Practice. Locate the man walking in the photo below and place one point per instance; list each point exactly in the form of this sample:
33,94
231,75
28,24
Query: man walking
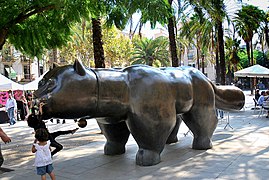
11,107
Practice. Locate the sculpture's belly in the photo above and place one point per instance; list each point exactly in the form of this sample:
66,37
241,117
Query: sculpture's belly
110,120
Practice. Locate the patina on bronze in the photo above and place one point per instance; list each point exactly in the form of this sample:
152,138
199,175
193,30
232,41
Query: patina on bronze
145,101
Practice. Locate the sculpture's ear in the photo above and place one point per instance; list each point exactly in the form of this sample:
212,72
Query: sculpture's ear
78,67
54,65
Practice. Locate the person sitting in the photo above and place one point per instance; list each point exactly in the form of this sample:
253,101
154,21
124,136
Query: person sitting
265,103
261,85
261,98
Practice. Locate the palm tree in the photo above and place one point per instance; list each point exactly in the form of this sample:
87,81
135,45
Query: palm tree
216,12
266,29
151,52
99,57
198,30
172,38
232,58
80,46
247,21
183,44
263,34
190,30
116,13
163,14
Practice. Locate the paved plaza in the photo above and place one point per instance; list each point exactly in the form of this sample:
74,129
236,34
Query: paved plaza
240,151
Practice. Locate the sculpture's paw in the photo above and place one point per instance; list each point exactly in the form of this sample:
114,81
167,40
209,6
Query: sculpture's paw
202,143
147,157
112,148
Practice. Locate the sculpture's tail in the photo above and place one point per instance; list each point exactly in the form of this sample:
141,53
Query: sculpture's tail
228,98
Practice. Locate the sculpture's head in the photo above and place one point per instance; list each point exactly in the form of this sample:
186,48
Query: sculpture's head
67,92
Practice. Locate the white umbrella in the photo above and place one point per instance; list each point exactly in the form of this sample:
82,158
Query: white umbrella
7,84
253,71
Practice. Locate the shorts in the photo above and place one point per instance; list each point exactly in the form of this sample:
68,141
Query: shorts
44,169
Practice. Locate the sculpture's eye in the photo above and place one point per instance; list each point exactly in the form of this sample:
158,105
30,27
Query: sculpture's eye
51,83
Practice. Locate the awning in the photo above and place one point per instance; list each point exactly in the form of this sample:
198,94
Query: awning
11,73
7,84
253,71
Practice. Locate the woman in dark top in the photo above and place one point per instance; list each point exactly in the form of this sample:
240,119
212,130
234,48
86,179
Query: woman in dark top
36,123
257,94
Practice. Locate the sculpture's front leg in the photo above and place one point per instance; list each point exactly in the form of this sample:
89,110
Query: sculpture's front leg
117,136
151,131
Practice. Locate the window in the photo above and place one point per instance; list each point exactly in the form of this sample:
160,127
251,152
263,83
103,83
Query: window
190,56
41,70
26,71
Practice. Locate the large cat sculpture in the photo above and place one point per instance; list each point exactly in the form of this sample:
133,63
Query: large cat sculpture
145,101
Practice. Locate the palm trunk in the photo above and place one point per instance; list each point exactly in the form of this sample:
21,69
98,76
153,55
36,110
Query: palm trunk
203,64
172,39
30,77
38,68
217,57
217,65
131,27
251,53
3,37
248,53
198,57
140,29
83,27
221,53
249,63
172,43
99,58
266,31
180,52
54,57
253,82
150,63
263,54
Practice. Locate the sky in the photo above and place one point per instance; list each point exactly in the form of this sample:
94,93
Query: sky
262,4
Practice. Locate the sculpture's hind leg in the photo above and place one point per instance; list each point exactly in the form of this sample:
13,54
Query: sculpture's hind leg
173,136
150,132
202,121
117,136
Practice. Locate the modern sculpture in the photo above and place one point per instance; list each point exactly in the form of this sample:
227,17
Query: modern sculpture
145,101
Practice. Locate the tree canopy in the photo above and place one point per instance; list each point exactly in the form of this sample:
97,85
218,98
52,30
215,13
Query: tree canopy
32,26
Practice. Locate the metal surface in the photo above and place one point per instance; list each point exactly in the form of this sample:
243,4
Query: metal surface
147,102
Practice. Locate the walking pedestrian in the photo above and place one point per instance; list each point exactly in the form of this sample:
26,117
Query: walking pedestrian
24,109
42,150
11,108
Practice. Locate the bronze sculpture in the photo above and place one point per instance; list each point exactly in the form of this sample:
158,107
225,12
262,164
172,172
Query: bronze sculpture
144,101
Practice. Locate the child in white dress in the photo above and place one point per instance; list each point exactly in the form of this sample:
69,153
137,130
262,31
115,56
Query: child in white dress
42,150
